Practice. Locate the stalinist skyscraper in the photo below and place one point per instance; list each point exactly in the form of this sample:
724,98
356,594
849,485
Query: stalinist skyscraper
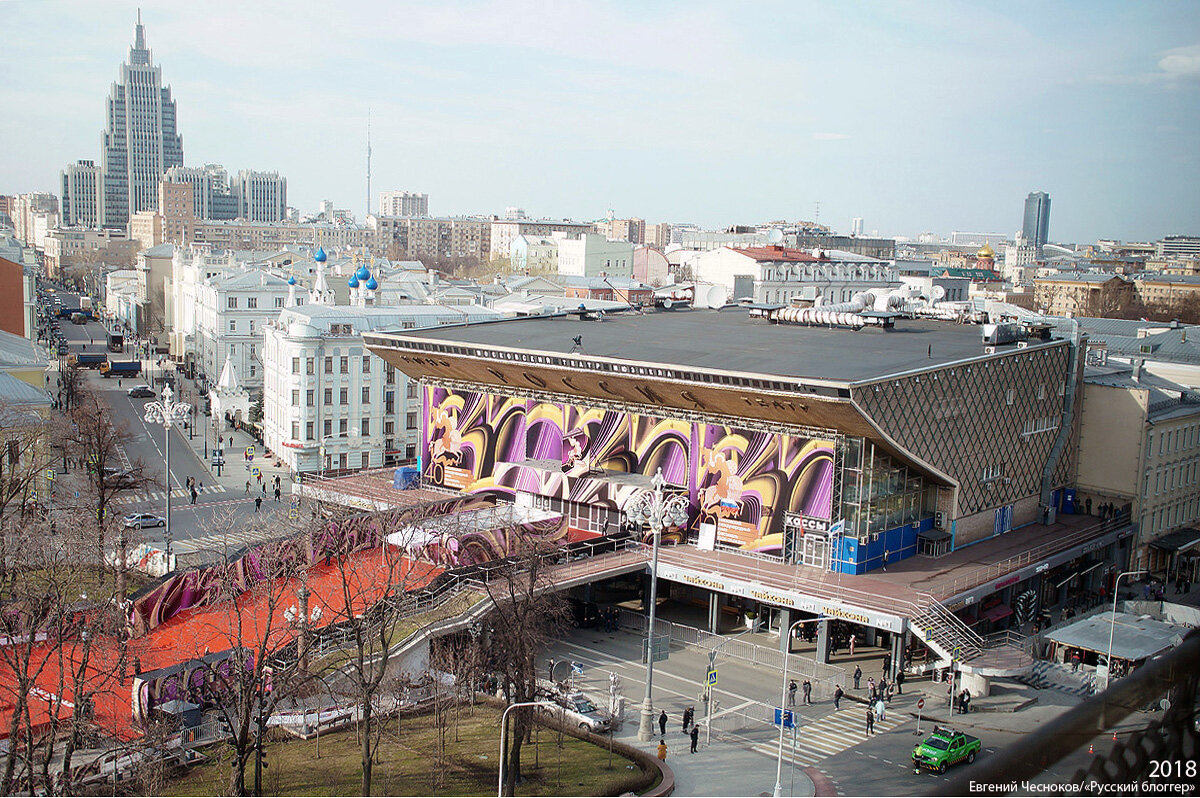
140,138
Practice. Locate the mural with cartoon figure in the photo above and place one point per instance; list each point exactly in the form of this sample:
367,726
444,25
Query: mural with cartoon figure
742,482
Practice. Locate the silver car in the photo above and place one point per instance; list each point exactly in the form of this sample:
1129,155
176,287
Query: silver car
143,520
577,709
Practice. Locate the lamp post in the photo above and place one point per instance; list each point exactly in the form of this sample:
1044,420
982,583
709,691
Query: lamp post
1113,627
301,619
503,728
652,508
167,413
787,650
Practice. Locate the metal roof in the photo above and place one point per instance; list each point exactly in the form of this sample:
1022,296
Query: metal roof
1134,637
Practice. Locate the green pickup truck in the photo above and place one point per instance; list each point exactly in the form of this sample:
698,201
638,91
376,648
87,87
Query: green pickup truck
943,748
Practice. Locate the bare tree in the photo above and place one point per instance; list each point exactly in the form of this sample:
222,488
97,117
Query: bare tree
25,456
528,615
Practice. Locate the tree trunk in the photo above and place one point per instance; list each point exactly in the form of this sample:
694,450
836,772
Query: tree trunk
513,770
366,747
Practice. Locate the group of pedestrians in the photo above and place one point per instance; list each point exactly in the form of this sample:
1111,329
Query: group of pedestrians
689,728
807,691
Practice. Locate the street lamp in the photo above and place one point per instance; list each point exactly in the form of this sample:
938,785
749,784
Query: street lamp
787,650
167,413
1113,627
653,509
503,728
301,619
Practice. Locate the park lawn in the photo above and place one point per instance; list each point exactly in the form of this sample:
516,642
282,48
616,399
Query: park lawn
407,763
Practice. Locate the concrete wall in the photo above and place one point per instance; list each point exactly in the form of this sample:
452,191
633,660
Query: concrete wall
1111,437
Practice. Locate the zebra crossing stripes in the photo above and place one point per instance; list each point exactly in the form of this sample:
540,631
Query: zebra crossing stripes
831,734
177,493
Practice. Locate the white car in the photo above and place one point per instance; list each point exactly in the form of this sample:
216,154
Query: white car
143,520
577,709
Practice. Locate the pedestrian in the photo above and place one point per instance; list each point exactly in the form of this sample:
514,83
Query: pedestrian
687,715
695,737
193,495
837,697
807,686
900,683
662,722
857,677
551,666
264,489
964,701
871,688
257,503
662,750
853,640
276,494
1075,659
247,487
880,710
887,664
792,693
870,721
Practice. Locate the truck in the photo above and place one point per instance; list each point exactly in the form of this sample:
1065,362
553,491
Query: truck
943,748
85,303
116,342
87,361
121,368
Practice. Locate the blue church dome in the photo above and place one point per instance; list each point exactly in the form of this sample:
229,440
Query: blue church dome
372,284
292,280
353,281
363,273
320,255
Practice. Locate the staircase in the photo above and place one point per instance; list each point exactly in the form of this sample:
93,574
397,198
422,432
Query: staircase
954,641
1052,675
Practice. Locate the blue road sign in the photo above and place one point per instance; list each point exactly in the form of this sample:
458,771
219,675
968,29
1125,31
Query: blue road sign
712,677
788,718
576,667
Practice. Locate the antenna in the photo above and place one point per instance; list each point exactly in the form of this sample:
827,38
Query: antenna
817,211
368,162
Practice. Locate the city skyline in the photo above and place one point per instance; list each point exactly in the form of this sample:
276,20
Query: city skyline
933,117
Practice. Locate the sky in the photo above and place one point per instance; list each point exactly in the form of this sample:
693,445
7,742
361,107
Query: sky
933,116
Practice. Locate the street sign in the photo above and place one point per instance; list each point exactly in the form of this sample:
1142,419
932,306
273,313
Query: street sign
293,515
50,474
712,677
255,471
577,667
921,703
249,451
662,648
789,720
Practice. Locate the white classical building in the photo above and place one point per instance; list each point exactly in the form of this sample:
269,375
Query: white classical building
590,255
328,403
782,275
231,312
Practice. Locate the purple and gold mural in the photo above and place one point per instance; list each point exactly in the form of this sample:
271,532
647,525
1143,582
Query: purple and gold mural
740,481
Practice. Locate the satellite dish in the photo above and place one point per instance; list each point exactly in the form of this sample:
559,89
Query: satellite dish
775,236
938,291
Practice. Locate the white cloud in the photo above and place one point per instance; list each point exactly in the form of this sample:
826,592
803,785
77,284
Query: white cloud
1181,62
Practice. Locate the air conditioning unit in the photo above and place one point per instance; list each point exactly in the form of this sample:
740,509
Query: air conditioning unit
916,524
939,520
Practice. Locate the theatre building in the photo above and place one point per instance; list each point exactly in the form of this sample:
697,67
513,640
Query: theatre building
878,446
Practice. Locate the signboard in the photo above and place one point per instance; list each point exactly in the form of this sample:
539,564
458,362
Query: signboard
577,667
738,533
293,515
662,648
459,478
712,678
920,703
255,471
50,474
249,451
788,719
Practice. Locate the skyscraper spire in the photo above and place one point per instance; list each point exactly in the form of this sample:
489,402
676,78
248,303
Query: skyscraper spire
139,53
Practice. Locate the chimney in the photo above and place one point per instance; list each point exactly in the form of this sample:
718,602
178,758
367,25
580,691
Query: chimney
1137,370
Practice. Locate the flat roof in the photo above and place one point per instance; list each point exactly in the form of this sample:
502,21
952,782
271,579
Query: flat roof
729,340
1134,637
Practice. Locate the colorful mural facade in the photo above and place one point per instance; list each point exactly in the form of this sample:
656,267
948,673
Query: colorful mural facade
744,483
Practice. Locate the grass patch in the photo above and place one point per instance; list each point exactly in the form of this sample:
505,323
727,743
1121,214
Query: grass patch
408,762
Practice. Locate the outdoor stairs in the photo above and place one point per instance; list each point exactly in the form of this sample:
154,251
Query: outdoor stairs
1046,675
954,641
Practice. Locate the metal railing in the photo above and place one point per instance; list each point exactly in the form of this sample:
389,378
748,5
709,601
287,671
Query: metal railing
947,588
1174,677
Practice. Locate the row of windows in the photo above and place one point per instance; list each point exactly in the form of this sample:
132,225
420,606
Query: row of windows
1168,518
343,396
343,364
389,428
1175,440
1173,477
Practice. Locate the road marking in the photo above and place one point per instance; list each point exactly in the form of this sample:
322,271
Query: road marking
831,735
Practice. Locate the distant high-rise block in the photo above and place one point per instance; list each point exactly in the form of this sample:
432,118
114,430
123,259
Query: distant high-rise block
140,141
403,203
82,196
856,226
261,196
1036,228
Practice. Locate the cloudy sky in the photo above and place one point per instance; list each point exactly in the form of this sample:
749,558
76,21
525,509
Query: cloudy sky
918,116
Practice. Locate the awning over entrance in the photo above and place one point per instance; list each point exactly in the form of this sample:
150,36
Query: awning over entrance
1179,541
1134,638
997,613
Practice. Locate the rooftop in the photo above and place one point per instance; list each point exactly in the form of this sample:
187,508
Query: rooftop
729,340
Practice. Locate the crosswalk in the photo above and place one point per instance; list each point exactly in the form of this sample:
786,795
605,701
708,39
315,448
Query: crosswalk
831,734
224,542
177,493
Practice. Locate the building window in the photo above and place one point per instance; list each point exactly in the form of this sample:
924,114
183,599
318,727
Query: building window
410,451
278,301
252,326
328,427
343,425
366,459
344,396
328,396
328,365
295,430
390,377
232,325
344,362
308,430
309,397
410,421
366,427
295,397
308,365
295,365
412,390
389,427
366,394
232,302
366,364
252,302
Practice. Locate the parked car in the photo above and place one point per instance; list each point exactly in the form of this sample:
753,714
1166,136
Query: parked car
143,520
141,392
576,709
